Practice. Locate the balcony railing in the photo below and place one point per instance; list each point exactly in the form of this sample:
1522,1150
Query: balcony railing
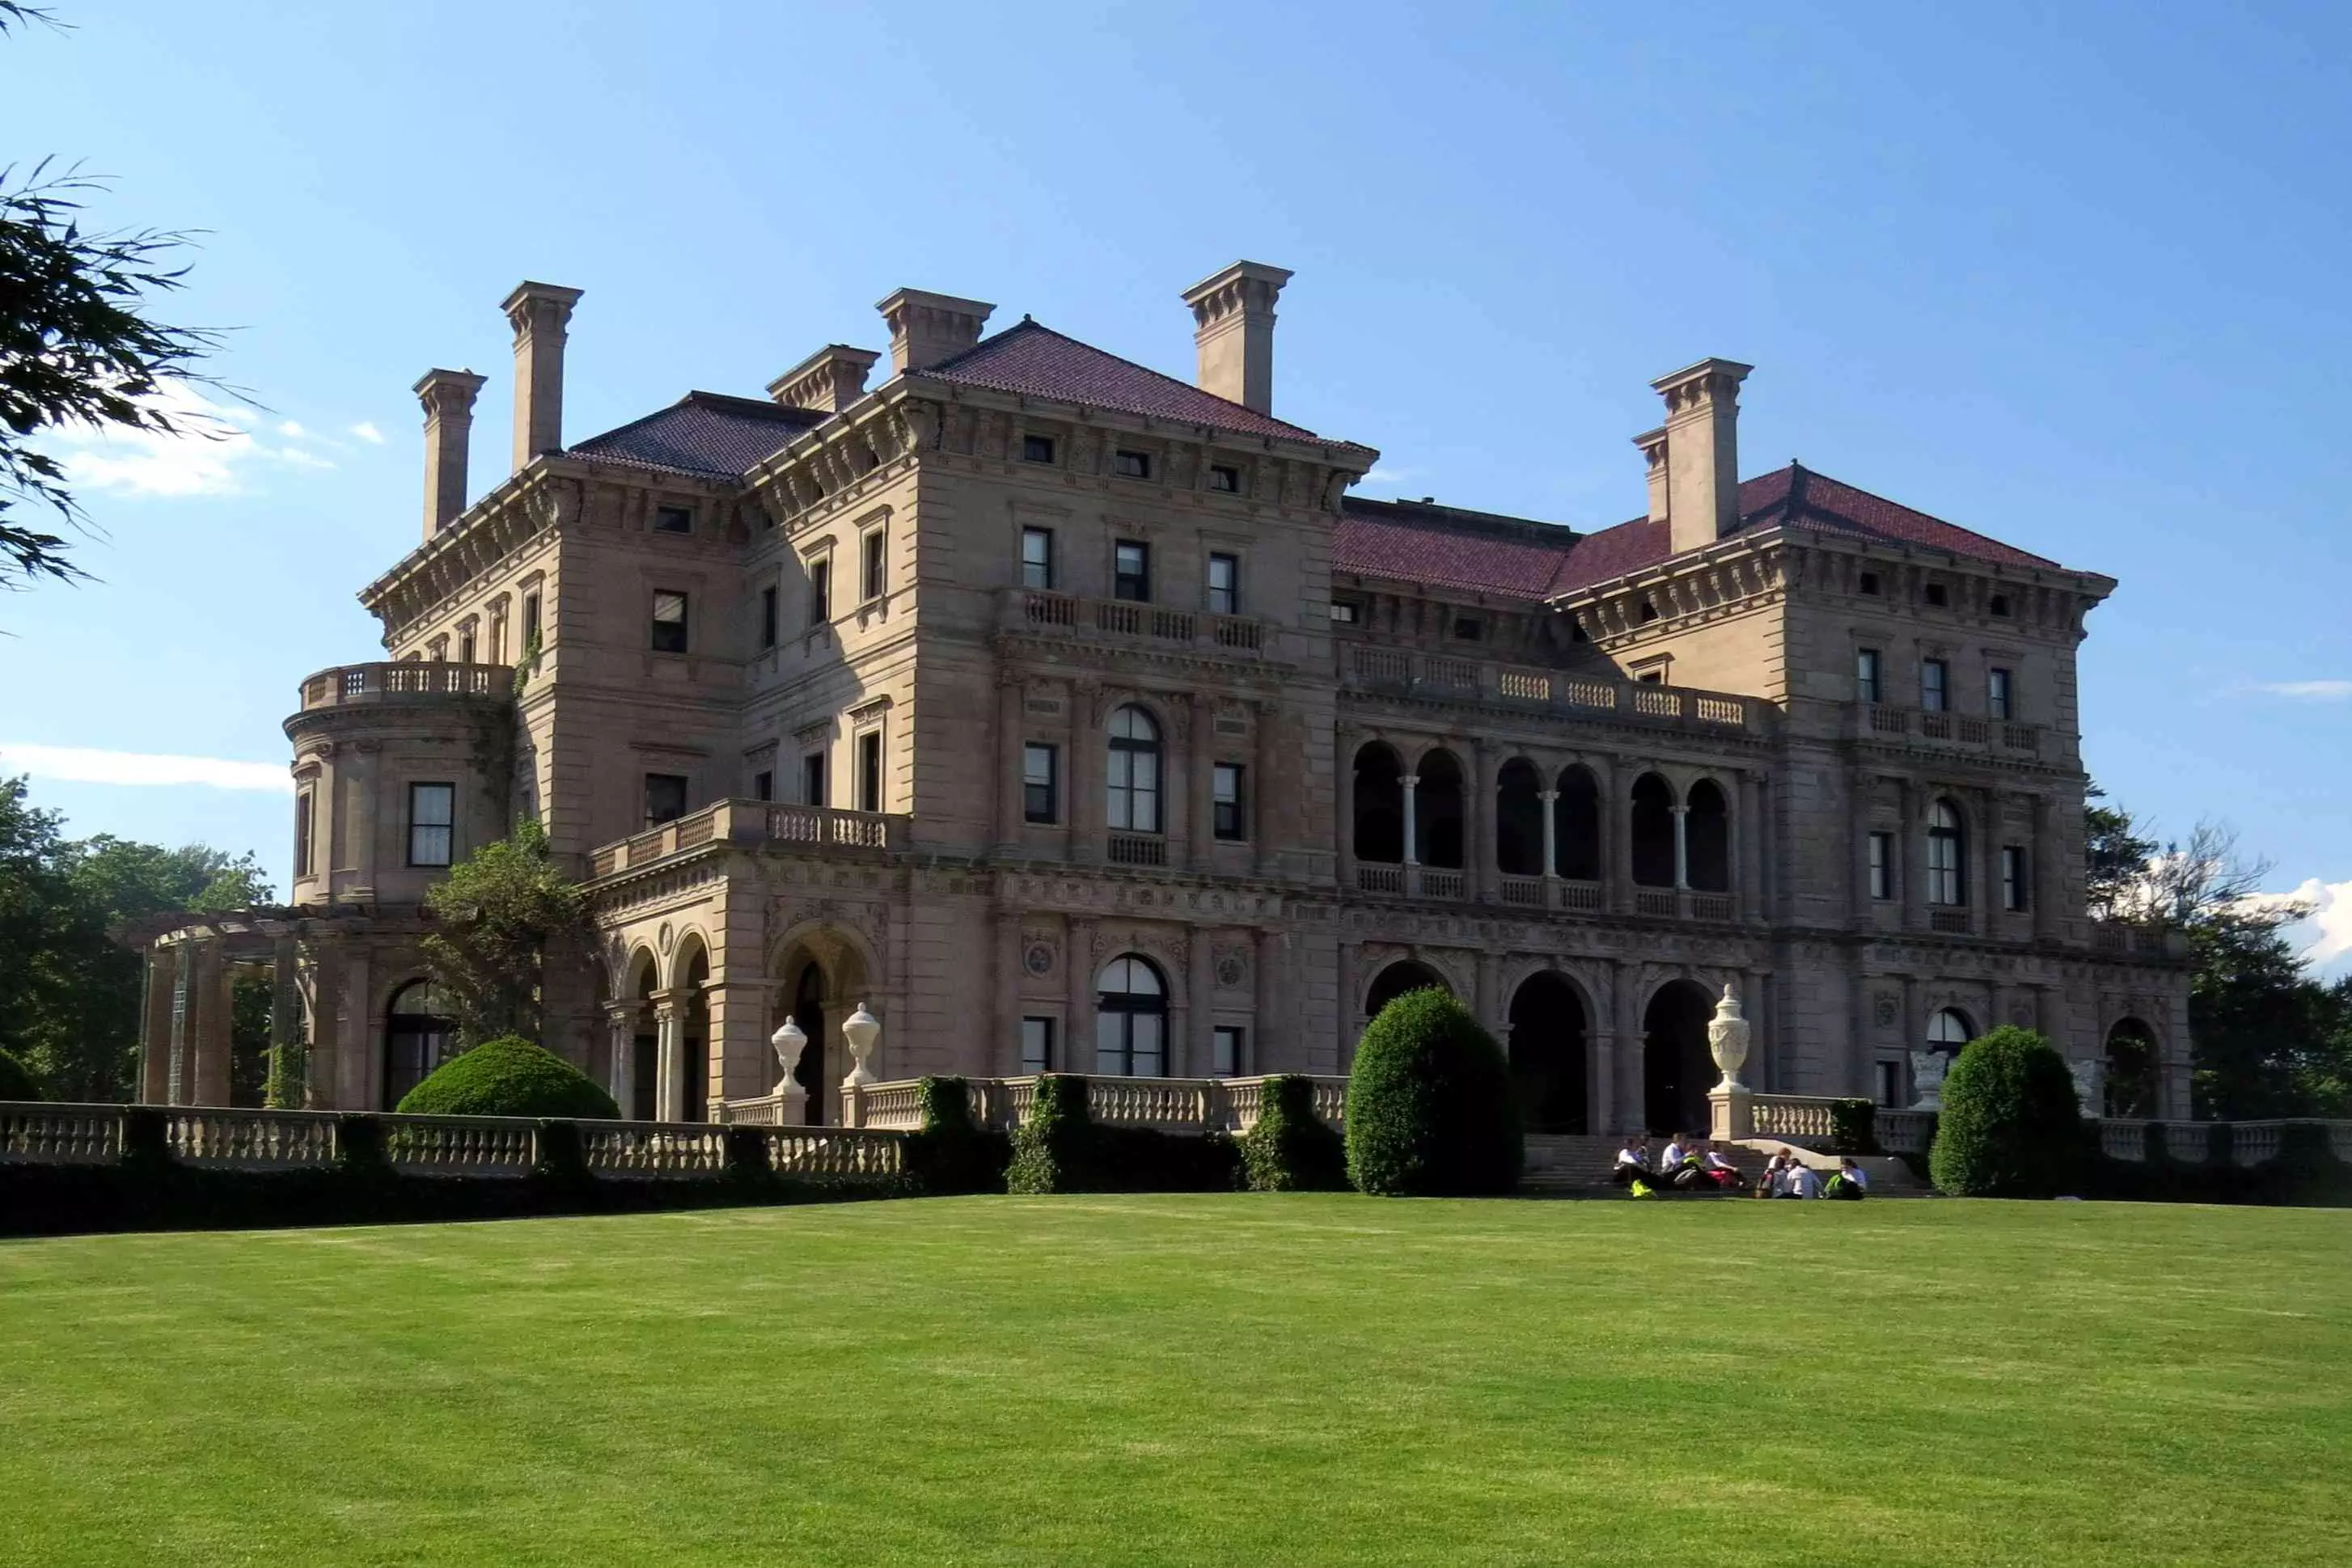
2133,938
1124,621
350,684
1371,666
1879,720
1166,1104
754,822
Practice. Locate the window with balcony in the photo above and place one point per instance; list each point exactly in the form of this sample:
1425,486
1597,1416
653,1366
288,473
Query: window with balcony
2015,890
1999,605
820,608
1225,583
1226,808
812,776
1227,1050
1934,685
1131,465
1131,1025
1134,771
432,823
1882,866
1037,558
763,785
1469,629
1867,684
673,519
466,646
1130,570
1037,1045
1036,449
1867,582
1946,885
664,798
669,623
1997,686
1224,479
869,771
874,581
1041,783
768,616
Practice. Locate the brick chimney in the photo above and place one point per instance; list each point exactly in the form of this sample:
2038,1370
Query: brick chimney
828,380
538,312
1232,328
447,397
1702,452
927,327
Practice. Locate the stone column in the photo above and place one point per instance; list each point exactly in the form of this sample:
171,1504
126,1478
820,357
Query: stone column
2040,888
1200,754
669,1079
1078,1013
1011,722
1343,804
1265,979
1199,987
208,1046
1745,836
621,1037
1489,1005
1616,839
1482,832
1549,801
1350,999
155,1026
1682,847
1631,1112
739,1055
1270,799
1411,782
1911,845
363,1042
1002,1057
179,1077
289,1061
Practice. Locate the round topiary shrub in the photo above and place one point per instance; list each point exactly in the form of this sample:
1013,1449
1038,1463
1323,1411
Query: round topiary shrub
1429,1110
17,1079
509,1076
1289,1148
2011,1126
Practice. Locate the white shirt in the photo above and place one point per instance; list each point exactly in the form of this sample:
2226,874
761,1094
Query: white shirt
1716,1162
1672,1159
1805,1181
1628,1157
1853,1173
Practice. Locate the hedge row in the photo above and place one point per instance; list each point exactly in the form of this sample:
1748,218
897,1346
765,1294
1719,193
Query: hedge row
1060,1149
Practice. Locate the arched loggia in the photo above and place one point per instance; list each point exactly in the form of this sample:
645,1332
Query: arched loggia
1547,1055
1518,818
1380,804
1677,1069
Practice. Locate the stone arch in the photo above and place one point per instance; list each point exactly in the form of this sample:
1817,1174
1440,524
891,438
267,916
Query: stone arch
1550,1047
1439,809
1576,824
683,951
1131,1017
1707,836
1378,782
1649,824
819,972
420,1032
2132,1063
1395,979
690,964
1676,1067
1518,818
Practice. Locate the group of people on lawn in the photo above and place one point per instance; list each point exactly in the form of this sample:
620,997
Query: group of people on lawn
1694,1165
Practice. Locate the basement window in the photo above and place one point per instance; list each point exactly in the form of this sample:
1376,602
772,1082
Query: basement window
1036,449
673,519
1131,465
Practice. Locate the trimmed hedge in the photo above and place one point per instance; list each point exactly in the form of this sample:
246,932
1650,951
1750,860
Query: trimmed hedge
1854,1127
1430,1108
1060,1149
17,1079
509,1076
2011,1126
1289,1148
951,1154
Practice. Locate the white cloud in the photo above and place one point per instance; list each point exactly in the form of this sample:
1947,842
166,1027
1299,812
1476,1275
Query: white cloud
2310,691
211,456
1389,476
291,431
366,431
85,765
2328,928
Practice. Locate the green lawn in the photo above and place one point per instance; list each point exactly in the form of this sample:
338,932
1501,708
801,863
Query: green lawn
1193,1380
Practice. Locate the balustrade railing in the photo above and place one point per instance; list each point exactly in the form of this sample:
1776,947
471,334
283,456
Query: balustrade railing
380,682
1127,620
1167,1104
1449,675
751,822
1948,728
1136,849
207,1135
60,1134
653,1149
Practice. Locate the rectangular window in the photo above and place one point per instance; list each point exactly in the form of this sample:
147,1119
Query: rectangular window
1040,784
1224,584
869,771
1882,866
1131,465
877,561
1934,685
820,593
1037,1045
499,642
1866,684
664,798
530,619
466,646
302,833
432,812
1037,558
1890,1083
1036,449
669,622
2015,894
1938,595
1867,583
1469,629
1224,479
768,617
1344,614
1997,691
1225,1050
1225,801
763,785
813,772
673,519
1131,571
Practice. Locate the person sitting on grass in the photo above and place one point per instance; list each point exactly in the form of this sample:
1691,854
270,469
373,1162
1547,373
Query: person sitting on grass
1670,1159
1681,1164
1803,1180
1775,1170
1632,1162
1722,1172
1847,1182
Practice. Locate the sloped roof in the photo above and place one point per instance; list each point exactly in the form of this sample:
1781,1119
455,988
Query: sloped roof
1038,362
703,432
1438,546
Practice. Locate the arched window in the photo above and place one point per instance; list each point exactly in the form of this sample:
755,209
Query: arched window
1380,805
1652,828
1437,810
1948,1030
1946,884
1707,832
1576,826
1134,771
1131,1028
1518,818
419,1034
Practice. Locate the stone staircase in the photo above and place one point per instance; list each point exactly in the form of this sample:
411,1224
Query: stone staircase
1577,1165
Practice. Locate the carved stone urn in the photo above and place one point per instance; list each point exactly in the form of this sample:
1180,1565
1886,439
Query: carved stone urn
789,1041
1927,1069
860,1029
1727,1038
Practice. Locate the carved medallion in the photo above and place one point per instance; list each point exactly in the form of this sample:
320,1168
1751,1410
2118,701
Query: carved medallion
1039,959
1232,968
1888,1007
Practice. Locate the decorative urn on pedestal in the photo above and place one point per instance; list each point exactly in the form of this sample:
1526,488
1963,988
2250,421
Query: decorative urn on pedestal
789,1041
1727,1037
860,1029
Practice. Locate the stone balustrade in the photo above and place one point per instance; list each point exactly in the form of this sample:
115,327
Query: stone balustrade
1121,620
1886,723
1806,1119
1404,671
2137,940
750,824
346,685
1166,1104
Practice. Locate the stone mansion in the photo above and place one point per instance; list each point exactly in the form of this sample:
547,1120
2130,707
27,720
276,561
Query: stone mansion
1073,716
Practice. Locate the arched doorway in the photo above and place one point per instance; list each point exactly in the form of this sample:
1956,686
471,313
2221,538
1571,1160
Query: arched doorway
419,1035
821,975
1707,838
1380,805
2131,1089
1518,818
1576,825
1437,810
1651,824
1131,1020
1547,1055
694,1041
808,1011
644,1045
1677,1069
1397,979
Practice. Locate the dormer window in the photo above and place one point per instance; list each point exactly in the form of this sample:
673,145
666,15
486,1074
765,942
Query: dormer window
1224,479
673,519
1938,595
1036,449
1131,465
1867,583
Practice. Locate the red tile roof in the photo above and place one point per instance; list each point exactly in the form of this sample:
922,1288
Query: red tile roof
1038,362
1515,558
703,432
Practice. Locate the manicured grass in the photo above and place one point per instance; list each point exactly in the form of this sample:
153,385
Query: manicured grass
1193,1380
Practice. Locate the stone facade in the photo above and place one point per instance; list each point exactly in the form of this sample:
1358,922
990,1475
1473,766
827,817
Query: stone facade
949,695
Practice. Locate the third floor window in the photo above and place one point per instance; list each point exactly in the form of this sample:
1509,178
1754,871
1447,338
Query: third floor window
1131,571
877,561
1036,558
1934,685
820,593
1224,584
1866,684
669,623
1997,694
768,617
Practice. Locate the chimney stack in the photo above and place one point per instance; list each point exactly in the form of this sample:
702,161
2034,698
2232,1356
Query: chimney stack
926,328
1702,452
538,312
447,397
1232,328
828,380
1653,443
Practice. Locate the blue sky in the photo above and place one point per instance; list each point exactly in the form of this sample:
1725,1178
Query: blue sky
2072,275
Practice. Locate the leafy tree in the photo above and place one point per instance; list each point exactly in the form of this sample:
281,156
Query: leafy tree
2011,1126
2117,856
503,915
76,345
1430,1108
